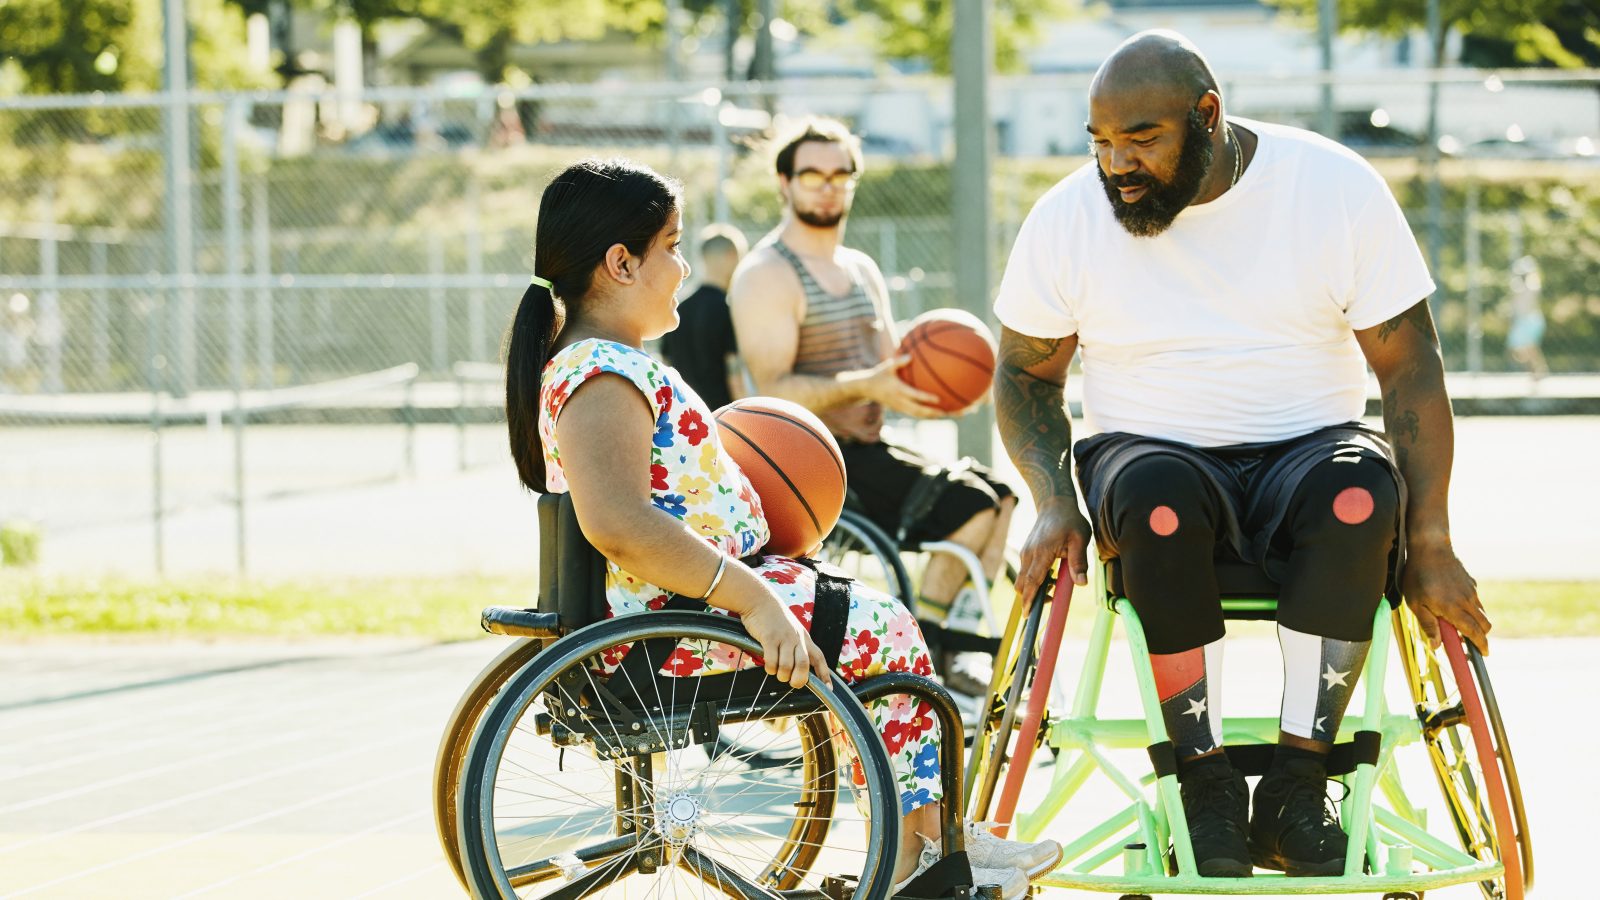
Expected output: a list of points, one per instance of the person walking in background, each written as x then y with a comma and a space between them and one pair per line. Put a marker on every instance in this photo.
703, 348
1526, 333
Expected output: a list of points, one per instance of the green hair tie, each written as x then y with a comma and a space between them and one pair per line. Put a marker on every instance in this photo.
544, 283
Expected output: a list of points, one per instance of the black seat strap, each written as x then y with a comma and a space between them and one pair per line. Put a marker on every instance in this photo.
830, 613
1365, 747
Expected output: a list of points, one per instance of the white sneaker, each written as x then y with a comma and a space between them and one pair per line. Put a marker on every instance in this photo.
970, 708
990, 851
966, 610
1012, 883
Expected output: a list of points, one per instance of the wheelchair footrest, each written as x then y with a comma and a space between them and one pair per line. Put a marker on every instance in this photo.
1254, 759
948, 879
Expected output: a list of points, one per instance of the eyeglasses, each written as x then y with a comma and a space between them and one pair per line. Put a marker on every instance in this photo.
812, 180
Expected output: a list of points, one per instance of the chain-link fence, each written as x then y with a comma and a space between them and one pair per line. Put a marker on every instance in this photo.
254, 296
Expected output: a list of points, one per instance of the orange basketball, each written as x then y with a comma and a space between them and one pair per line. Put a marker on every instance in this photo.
952, 355
792, 462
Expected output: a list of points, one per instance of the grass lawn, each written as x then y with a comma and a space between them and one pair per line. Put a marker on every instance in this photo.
447, 608
441, 608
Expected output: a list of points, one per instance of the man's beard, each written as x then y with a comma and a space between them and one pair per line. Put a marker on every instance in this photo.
1154, 212
819, 220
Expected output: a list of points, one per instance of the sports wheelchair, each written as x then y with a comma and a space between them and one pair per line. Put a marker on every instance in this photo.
588, 758
1454, 716
876, 557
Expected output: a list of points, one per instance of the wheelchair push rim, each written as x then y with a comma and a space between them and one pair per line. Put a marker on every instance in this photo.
568, 791
1466, 762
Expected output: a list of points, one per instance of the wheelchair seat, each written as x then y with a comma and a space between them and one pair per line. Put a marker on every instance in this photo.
1237, 579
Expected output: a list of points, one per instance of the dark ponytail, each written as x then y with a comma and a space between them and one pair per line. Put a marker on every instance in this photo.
590, 207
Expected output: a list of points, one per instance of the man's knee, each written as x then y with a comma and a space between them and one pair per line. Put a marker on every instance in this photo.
1158, 502
1350, 503
1343, 525
1163, 518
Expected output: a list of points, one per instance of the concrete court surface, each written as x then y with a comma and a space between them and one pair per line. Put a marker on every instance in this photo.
274, 770
1522, 503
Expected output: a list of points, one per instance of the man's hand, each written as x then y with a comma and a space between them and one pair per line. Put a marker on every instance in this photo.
1059, 532
885, 385
1437, 586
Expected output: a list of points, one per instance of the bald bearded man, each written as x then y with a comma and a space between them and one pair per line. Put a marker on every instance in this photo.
1227, 281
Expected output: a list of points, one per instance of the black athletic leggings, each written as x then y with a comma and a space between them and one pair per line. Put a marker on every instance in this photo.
1338, 534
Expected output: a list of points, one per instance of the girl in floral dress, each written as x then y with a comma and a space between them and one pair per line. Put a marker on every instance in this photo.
590, 413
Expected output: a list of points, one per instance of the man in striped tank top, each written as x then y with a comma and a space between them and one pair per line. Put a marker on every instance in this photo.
813, 325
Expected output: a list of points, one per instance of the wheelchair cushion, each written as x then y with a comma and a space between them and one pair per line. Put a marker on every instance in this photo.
572, 574
1236, 579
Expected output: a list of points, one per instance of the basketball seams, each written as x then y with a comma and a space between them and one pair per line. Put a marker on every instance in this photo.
950, 393
826, 445
773, 465
954, 353
931, 330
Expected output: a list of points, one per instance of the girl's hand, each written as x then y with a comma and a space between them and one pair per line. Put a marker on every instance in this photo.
789, 651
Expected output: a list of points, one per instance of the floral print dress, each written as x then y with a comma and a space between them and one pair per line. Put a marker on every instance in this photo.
694, 479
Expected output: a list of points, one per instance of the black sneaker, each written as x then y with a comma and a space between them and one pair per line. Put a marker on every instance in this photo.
1294, 827
1216, 802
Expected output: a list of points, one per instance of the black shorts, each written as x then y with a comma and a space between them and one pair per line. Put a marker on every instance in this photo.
883, 476
1252, 483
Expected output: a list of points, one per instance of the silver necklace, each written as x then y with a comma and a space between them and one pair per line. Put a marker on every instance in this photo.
1238, 156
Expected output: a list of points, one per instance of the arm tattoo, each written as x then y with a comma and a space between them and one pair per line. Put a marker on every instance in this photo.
1027, 351
1033, 419
1417, 316
1403, 426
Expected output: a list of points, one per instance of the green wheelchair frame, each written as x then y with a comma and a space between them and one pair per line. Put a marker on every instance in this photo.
1391, 850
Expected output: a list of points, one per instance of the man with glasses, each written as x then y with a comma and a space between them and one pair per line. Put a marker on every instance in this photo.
813, 325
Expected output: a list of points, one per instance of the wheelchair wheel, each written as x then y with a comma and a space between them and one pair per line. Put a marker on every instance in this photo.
1474, 769
580, 783
1013, 674
1041, 676
868, 555
452, 755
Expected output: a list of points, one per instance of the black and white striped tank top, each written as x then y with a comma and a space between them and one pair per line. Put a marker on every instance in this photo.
839, 333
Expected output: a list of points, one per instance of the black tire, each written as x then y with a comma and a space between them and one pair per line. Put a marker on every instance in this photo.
870, 556
1508, 764
452, 755
624, 809
1452, 738
990, 747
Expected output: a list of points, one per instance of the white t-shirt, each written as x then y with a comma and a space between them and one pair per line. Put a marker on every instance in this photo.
1237, 324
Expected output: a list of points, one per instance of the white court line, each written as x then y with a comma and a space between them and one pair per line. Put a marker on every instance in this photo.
242, 823
147, 686
95, 787
177, 731
304, 854
146, 697
208, 792
404, 879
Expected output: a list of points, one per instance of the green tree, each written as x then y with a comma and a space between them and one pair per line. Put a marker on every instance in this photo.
906, 29
1504, 33
922, 29
76, 46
